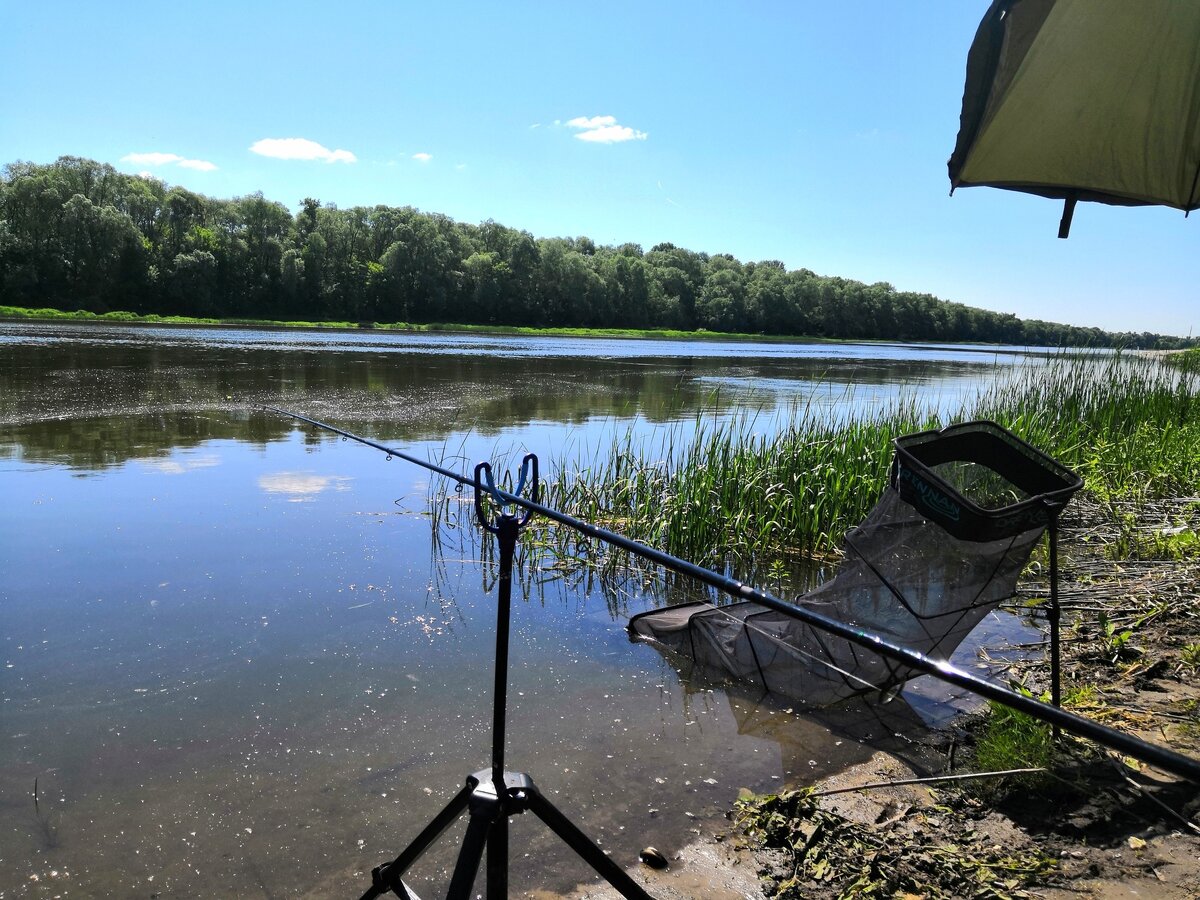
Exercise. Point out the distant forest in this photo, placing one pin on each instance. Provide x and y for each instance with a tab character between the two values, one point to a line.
77	234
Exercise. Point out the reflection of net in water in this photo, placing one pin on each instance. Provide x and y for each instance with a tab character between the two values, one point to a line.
811	743
964	508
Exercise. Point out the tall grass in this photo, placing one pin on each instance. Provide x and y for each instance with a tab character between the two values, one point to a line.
732	492
1128	424
736	494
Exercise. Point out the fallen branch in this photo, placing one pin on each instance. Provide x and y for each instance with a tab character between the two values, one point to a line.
933	779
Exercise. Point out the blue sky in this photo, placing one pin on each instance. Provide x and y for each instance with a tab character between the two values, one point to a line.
813	133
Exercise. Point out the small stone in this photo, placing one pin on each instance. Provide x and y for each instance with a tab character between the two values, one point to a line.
653	858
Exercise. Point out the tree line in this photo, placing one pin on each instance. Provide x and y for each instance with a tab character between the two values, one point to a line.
78	234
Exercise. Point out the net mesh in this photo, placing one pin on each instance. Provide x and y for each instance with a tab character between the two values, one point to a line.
943	547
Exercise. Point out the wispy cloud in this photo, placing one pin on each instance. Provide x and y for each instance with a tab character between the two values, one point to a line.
151	159
664	193
422	157
167	159
300	148
603	130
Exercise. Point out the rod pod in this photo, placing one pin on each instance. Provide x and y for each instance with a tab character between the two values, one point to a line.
493	796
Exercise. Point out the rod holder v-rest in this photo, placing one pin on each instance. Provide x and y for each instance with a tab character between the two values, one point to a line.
485	485
493	796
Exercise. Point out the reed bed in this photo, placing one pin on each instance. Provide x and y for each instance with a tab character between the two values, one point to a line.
734	494
733	491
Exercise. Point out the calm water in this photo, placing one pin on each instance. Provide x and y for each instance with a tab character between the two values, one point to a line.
236	663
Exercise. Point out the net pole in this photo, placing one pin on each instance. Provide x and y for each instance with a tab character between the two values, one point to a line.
1055	616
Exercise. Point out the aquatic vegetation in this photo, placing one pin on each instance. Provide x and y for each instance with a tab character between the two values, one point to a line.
1127	423
735	492
1187	360
739	493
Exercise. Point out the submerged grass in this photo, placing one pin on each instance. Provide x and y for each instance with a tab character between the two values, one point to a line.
733	493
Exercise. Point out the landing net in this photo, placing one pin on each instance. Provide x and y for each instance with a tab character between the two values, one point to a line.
963	511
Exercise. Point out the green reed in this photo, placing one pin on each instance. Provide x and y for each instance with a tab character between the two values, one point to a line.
1128	424
733	493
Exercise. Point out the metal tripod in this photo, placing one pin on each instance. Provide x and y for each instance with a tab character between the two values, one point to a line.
492	797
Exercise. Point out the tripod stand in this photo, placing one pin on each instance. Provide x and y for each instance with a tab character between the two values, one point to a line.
493	796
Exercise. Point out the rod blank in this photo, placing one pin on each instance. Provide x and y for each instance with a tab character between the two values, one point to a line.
1152	754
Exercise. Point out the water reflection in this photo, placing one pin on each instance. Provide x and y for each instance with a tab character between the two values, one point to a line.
815	742
300	486
179	466
93	398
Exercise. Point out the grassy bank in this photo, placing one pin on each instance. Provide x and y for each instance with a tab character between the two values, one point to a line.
1186	360
56	315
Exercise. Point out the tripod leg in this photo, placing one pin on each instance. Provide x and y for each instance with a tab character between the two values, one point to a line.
387	877
582	845
469	856
497	859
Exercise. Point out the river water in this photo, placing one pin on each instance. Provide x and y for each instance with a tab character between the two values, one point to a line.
236	662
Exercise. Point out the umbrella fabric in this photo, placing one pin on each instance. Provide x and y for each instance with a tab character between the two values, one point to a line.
1084	100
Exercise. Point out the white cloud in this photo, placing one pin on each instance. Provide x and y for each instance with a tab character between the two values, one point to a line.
151	159
422	157
604	130
611	134
300	148
593	122
167	159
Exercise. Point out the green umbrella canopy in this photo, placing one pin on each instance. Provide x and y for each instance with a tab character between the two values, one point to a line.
1084	100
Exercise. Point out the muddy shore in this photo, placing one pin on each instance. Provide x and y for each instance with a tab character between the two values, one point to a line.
1106	826
1093	824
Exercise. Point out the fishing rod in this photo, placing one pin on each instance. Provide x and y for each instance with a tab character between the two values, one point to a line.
1152	754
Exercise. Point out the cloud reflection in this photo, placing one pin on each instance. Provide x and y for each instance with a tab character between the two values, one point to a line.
178	465
302	486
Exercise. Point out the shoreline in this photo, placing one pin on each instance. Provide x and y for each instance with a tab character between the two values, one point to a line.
153	320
